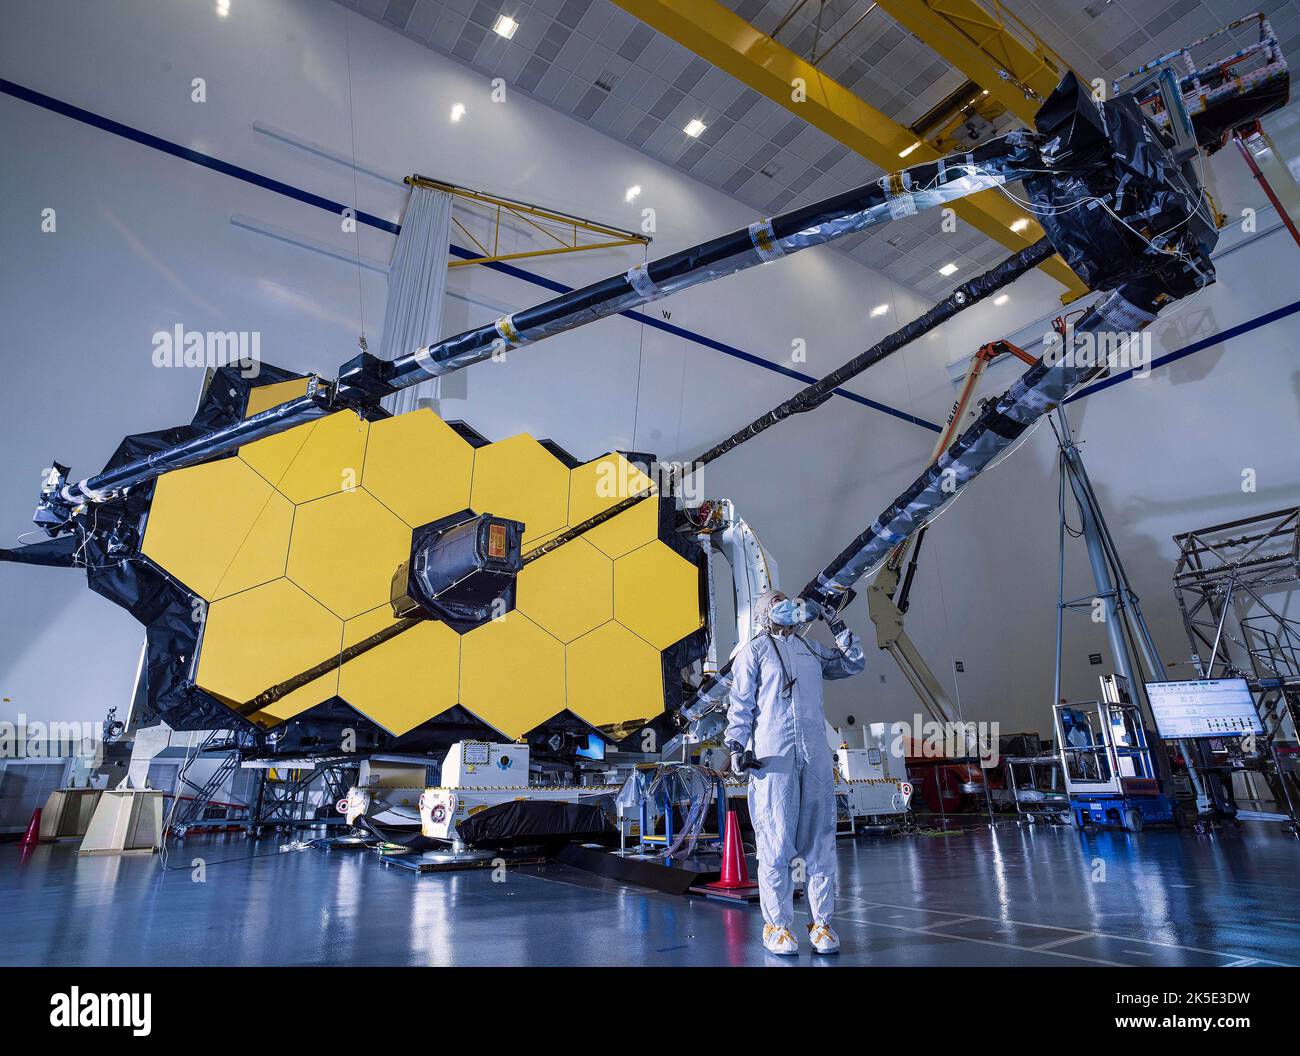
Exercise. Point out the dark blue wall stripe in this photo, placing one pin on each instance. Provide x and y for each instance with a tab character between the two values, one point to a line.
257	179
177	151
57	106
699	339
1194	347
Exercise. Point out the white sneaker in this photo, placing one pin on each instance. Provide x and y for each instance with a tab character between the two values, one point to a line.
779	940
823	937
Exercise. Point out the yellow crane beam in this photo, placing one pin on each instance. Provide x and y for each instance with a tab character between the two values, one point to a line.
736	47
988	44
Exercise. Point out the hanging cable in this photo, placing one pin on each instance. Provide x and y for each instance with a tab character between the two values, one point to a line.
356	227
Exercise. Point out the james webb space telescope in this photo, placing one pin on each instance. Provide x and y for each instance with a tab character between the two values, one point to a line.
306	563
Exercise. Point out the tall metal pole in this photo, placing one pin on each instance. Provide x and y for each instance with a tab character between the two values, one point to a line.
1131	646
1091	525
1060	592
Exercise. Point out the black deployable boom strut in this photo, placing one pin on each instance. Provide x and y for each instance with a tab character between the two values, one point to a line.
365	380
968	293
1120	314
1044	385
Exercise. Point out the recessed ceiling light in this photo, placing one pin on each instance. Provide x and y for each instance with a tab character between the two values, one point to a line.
1019	225
505	26
947	269
632	192
694	127
223	8
1001	299
908	150
879	310
457	111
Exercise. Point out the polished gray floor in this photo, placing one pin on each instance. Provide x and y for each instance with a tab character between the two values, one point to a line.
1012	895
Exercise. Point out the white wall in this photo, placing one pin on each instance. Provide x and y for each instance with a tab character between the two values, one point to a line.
145	241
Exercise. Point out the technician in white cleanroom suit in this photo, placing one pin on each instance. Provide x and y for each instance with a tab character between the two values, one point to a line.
776	699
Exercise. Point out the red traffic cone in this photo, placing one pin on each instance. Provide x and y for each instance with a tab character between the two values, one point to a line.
33	834
735	872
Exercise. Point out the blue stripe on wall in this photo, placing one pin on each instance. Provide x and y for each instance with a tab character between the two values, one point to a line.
105	124
699	339
57	106
1194	347
177	151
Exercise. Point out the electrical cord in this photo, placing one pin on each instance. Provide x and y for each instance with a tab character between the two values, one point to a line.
164	851
1060	493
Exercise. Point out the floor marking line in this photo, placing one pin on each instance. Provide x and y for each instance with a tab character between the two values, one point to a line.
1074	934
1067	939
950	923
900	927
1097	934
983	942
915	909
635	889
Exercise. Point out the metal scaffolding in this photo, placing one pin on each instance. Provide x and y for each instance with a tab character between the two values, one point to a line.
1225	580
290	797
1235	584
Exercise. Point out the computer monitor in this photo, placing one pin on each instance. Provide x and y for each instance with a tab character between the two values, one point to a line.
1207	707
595	748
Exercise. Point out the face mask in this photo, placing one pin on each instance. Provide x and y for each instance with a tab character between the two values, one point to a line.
790	612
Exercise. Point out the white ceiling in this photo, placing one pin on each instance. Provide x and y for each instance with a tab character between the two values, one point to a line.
595	62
